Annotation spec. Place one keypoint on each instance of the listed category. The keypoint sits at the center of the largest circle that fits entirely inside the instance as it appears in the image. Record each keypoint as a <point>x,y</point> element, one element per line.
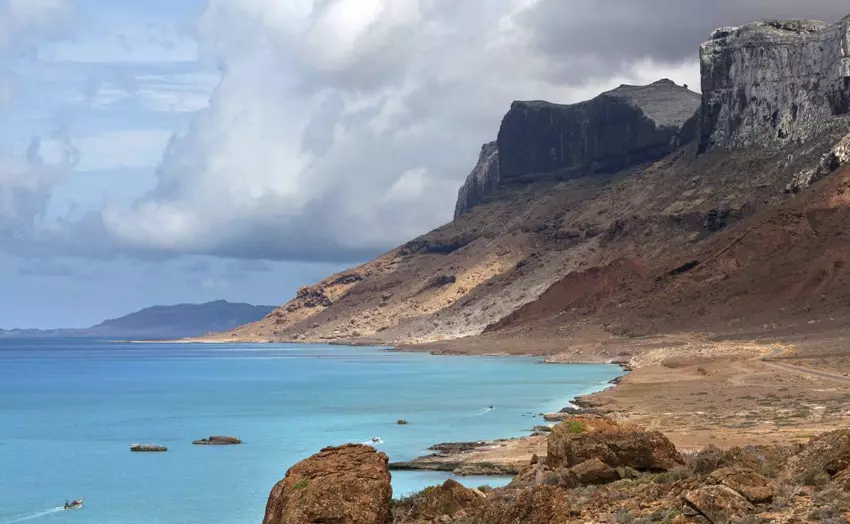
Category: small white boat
<point>76,504</point>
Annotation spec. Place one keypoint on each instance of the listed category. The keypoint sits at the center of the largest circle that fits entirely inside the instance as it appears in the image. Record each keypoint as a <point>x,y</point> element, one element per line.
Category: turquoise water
<point>69,409</point>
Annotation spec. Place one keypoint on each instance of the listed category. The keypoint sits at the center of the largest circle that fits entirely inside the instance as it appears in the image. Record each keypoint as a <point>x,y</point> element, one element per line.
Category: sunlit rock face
<point>772,82</point>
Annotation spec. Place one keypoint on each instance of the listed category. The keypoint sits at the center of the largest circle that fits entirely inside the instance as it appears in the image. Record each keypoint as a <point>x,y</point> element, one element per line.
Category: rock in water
<point>217,440</point>
<point>344,485</point>
<point>401,422</point>
<point>147,448</point>
<point>628,126</point>
<point>481,181</point>
<point>769,82</point>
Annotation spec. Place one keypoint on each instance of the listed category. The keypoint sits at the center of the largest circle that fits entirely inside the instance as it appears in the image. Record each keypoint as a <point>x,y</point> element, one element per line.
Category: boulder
<point>401,422</point>
<point>147,448</point>
<point>719,504</point>
<point>754,487</point>
<point>594,471</point>
<point>584,438</point>
<point>771,82</point>
<point>344,485</point>
<point>448,499</point>
<point>827,454</point>
<point>217,440</point>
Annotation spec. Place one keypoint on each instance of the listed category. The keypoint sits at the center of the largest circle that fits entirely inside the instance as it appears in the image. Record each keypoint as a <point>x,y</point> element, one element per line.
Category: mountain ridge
<point>174,321</point>
<point>615,246</point>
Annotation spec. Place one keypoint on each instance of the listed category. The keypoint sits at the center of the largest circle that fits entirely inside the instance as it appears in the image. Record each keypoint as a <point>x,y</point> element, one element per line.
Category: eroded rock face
<point>774,81</point>
<point>754,487</point>
<point>618,129</point>
<point>481,182</point>
<point>343,485</point>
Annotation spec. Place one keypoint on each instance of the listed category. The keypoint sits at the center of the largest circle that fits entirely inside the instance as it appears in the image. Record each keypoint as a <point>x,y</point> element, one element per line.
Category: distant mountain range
<point>160,322</point>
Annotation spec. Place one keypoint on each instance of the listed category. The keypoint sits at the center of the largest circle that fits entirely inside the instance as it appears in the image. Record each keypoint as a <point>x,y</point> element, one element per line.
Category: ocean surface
<point>69,409</point>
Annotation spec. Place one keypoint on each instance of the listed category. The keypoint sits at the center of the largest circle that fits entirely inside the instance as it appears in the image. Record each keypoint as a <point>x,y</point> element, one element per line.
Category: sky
<point>163,152</point>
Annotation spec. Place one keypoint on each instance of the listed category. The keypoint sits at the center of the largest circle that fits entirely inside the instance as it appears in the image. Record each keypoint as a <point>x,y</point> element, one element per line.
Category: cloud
<point>341,128</point>
<point>602,37</point>
<point>121,149</point>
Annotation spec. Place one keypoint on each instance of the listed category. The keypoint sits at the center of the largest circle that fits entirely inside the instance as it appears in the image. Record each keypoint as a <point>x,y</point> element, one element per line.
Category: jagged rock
<point>448,499</point>
<point>401,422</point>
<point>827,454</point>
<point>147,448</point>
<point>575,441</point>
<point>832,161</point>
<point>217,440</point>
<point>481,182</point>
<point>624,127</point>
<point>594,471</point>
<point>719,504</point>
<point>769,82</point>
<point>344,485</point>
<point>754,487</point>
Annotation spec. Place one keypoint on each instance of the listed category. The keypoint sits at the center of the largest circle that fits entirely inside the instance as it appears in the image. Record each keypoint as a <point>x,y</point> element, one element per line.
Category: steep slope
<point>637,220</point>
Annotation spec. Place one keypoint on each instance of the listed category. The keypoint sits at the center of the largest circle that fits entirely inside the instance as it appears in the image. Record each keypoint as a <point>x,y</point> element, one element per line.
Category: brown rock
<point>719,504</point>
<point>754,487</point>
<point>842,479</point>
<point>828,453</point>
<point>594,471</point>
<point>217,440</point>
<point>448,499</point>
<point>540,505</point>
<point>584,438</point>
<point>343,485</point>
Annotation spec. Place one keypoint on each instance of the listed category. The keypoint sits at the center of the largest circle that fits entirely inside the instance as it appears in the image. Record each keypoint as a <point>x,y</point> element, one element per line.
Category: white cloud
<point>121,149</point>
<point>345,126</point>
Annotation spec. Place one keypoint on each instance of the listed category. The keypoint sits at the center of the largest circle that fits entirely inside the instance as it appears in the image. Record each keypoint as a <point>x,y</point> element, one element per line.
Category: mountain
<point>160,322</point>
<point>647,210</point>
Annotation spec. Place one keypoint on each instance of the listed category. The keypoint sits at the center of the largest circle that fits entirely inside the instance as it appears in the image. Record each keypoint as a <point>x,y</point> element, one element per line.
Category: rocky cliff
<point>770,82</point>
<point>618,129</point>
<point>601,218</point>
<point>481,182</point>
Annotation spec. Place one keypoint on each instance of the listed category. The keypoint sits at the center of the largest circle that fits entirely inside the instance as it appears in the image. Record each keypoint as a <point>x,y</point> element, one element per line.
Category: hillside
<point>159,322</point>
<point>648,210</point>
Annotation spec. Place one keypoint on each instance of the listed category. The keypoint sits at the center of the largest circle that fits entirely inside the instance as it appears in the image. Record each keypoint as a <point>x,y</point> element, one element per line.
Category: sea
<point>70,409</point>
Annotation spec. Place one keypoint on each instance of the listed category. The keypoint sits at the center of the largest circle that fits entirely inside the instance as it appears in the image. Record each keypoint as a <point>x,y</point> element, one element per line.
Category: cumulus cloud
<point>341,127</point>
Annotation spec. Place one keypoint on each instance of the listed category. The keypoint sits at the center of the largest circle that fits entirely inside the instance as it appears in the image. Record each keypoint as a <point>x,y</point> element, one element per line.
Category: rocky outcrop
<point>449,499</point>
<point>582,439</point>
<point>774,81</point>
<point>824,455</point>
<point>751,485</point>
<point>618,129</point>
<point>481,182</point>
<point>147,448</point>
<point>217,440</point>
<point>343,485</point>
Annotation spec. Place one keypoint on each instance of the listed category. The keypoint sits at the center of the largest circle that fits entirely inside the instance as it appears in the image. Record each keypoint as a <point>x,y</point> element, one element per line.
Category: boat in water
<point>76,504</point>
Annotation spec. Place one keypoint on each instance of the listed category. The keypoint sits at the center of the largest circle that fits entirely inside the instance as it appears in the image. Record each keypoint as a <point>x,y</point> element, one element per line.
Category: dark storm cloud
<point>602,37</point>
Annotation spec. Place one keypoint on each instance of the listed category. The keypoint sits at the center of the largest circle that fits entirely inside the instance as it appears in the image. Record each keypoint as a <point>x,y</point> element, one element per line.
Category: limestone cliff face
<point>618,129</point>
<point>771,82</point>
<point>481,181</point>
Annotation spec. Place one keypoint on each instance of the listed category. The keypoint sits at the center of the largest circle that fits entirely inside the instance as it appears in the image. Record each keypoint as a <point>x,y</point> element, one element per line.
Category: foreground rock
<point>448,499</point>
<point>147,448</point>
<point>217,440</point>
<point>342,485</point>
<point>582,439</point>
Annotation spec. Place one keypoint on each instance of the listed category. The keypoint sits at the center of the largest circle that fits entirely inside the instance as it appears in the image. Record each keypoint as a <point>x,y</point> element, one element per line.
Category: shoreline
<point>698,389</point>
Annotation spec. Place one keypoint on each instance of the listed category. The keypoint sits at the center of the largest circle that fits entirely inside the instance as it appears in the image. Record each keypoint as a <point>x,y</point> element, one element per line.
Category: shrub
<point>575,426</point>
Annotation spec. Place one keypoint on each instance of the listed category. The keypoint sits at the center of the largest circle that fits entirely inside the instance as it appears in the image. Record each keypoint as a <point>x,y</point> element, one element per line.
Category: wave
<point>34,516</point>
<point>483,411</point>
<point>373,442</point>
